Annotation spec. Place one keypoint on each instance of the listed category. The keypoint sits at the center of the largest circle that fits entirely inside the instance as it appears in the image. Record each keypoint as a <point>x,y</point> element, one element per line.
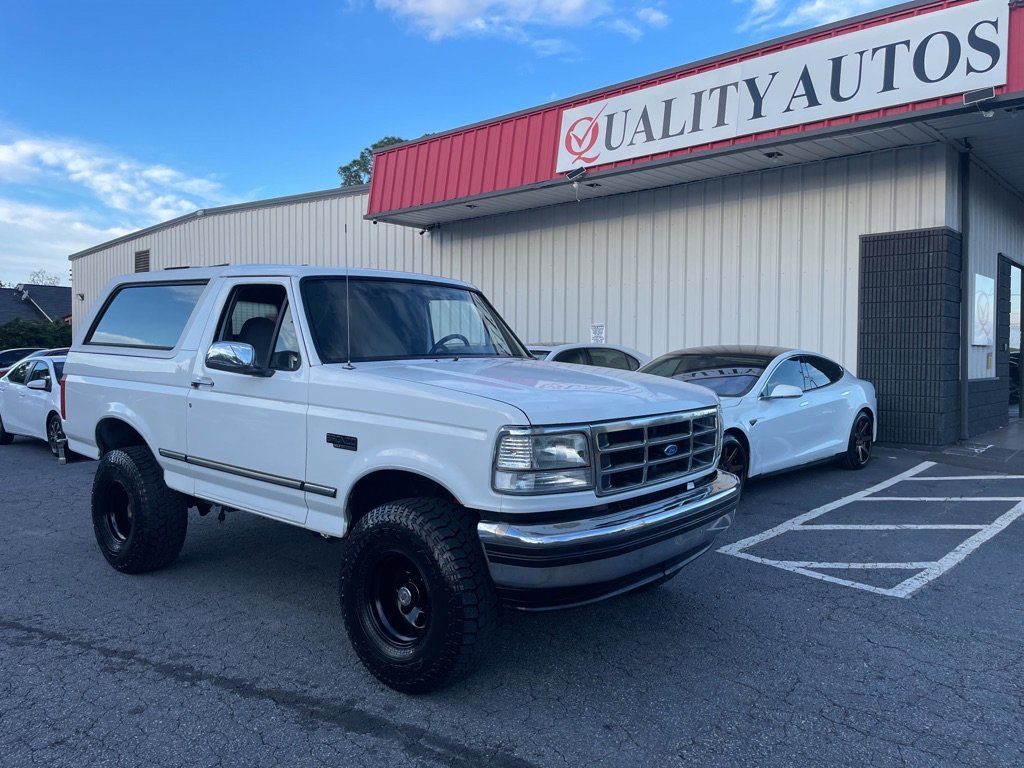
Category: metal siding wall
<point>997,226</point>
<point>768,257</point>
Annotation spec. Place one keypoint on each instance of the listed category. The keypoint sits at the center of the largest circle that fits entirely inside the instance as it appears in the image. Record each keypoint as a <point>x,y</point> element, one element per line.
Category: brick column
<point>909,333</point>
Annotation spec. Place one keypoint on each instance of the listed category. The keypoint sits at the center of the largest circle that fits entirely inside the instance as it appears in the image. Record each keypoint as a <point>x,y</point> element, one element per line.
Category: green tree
<point>34,333</point>
<point>358,171</point>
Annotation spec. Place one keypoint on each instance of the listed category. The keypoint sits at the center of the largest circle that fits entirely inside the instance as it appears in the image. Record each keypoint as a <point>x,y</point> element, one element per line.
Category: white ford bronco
<point>400,412</point>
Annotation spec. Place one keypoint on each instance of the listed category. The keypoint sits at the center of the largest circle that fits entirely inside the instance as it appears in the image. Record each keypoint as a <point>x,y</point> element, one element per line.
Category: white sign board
<point>984,311</point>
<point>597,334</point>
<point>935,54</point>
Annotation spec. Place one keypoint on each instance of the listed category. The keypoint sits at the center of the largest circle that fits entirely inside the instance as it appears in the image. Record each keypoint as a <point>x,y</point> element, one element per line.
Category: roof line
<point>792,37</point>
<point>349,191</point>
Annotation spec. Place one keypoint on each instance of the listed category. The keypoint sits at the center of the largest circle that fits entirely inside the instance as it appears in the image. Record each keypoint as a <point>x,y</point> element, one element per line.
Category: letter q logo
<point>582,136</point>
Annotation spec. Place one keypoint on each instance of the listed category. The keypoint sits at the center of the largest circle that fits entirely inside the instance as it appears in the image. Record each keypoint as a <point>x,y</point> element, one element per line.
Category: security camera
<point>576,175</point>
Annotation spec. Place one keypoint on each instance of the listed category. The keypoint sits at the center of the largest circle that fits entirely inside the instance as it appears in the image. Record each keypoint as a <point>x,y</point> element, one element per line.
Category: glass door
<point>1016,403</point>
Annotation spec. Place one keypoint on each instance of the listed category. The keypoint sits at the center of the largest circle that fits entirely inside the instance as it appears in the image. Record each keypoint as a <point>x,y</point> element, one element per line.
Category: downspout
<point>965,288</point>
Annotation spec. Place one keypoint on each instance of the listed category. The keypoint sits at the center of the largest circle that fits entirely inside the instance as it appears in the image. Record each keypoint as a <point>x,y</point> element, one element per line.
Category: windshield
<point>726,375</point>
<point>403,320</point>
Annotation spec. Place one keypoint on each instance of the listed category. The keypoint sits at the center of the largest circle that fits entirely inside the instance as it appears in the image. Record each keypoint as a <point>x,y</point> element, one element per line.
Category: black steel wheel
<point>862,436</point>
<point>139,522</point>
<point>54,433</point>
<point>734,458</point>
<point>398,604</point>
<point>416,595</point>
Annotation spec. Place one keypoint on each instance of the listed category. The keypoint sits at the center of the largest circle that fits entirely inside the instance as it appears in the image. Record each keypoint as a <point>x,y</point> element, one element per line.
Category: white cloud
<point>767,15</point>
<point>58,196</point>
<point>38,237</point>
<point>652,17</point>
<point>154,191</point>
<point>528,22</point>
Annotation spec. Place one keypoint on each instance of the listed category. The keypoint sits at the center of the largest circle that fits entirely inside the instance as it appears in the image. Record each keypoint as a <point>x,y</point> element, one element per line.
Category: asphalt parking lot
<point>813,639</point>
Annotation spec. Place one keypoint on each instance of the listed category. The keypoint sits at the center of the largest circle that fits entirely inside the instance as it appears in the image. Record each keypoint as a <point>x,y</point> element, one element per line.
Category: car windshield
<point>540,354</point>
<point>403,320</point>
<point>727,375</point>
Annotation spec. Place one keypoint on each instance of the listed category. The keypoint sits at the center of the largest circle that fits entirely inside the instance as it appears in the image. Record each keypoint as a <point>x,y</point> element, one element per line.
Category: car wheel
<point>858,451</point>
<point>416,595</point>
<point>54,433</point>
<point>6,438</point>
<point>734,458</point>
<point>139,522</point>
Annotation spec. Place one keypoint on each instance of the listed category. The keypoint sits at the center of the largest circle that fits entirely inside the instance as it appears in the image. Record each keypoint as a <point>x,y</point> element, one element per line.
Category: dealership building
<point>856,190</point>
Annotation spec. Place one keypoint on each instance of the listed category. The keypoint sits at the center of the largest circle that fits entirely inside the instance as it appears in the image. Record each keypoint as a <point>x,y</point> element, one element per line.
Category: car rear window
<point>147,316</point>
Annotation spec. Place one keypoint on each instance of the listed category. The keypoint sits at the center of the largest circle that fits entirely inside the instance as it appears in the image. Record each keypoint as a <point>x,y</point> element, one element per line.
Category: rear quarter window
<point>146,316</point>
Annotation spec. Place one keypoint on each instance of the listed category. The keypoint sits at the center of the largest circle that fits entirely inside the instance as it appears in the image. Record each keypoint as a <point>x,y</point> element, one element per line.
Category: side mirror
<point>234,357</point>
<point>39,384</point>
<point>784,392</point>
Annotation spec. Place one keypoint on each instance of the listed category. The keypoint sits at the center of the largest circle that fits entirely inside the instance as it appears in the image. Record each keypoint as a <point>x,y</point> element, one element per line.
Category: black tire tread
<point>161,521</point>
<point>448,533</point>
<point>6,438</point>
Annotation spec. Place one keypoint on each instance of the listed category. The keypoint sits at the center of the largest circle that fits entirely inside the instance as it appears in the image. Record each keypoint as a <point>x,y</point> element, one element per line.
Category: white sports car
<point>781,408</point>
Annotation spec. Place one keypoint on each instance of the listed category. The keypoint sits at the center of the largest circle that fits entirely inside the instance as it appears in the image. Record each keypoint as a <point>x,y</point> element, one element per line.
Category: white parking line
<point>929,570</point>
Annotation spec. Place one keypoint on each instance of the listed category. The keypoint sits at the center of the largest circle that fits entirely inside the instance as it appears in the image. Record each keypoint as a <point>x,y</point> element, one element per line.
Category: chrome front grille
<point>641,452</point>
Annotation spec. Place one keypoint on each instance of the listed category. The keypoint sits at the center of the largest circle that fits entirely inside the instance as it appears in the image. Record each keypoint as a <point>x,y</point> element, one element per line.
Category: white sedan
<point>30,401</point>
<point>603,355</point>
<point>781,408</point>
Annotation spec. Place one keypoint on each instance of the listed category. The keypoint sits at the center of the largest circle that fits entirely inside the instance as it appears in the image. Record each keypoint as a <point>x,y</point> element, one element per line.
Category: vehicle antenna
<point>348,306</point>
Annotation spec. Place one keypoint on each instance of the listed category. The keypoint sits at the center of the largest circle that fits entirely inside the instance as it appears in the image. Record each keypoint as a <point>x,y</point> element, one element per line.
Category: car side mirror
<point>235,357</point>
<point>784,392</point>
<point>39,384</point>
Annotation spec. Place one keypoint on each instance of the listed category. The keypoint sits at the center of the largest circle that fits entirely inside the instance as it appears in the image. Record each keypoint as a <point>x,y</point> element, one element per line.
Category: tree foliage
<point>34,333</point>
<point>358,171</point>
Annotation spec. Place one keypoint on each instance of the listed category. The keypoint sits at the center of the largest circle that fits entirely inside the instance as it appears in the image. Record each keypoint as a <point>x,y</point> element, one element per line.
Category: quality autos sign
<point>935,54</point>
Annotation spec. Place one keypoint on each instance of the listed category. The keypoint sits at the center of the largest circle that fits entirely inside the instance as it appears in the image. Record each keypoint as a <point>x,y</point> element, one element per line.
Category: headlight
<point>542,462</point>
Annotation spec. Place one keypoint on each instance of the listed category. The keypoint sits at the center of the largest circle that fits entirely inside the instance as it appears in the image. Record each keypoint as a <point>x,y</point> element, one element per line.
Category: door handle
<point>201,381</point>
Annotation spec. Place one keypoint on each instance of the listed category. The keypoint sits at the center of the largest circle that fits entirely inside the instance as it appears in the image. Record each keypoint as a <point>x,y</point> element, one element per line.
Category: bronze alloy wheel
<point>862,439</point>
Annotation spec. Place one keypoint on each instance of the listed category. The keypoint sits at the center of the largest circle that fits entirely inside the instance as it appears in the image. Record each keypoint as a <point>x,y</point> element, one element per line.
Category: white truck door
<point>246,434</point>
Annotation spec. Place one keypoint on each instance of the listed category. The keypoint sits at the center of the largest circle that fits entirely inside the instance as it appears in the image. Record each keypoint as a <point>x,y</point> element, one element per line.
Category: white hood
<point>553,393</point>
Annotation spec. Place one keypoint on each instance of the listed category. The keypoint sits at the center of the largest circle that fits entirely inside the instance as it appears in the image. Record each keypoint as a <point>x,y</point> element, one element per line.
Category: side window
<point>634,364</point>
<point>259,315</point>
<point>577,356</point>
<point>821,372</point>
<point>41,372</point>
<point>609,358</point>
<point>19,373</point>
<point>789,372</point>
<point>146,316</point>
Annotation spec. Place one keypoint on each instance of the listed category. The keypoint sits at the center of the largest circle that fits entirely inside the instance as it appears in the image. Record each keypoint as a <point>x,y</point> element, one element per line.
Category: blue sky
<point>115,115</point>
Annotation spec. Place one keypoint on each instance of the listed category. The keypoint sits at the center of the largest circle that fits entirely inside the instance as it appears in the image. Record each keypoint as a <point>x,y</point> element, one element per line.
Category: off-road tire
<point>6,438</point>
<point>157,520</point>
<point>855,456</point>
<point>439,539</point>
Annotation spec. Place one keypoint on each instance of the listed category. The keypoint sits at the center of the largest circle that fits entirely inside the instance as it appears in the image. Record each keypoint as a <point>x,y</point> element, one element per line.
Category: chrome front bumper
<point>557,564</point>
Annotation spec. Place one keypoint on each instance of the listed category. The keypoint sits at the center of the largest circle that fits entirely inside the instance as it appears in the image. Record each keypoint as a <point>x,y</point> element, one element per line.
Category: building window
<point>142,261</point>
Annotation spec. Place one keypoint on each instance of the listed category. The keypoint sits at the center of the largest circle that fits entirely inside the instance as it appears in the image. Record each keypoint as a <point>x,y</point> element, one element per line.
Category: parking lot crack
<point>417,743</point>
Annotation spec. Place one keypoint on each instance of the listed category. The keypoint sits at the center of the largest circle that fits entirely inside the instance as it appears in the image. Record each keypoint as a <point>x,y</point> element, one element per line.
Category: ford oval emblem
<point>671,450</point>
